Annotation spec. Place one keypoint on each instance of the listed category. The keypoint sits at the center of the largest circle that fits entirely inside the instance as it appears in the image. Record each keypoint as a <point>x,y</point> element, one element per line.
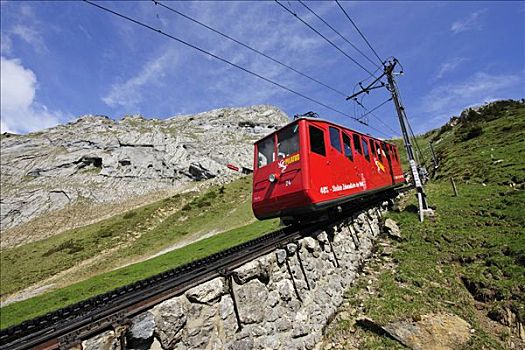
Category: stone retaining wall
<point>276,304</point>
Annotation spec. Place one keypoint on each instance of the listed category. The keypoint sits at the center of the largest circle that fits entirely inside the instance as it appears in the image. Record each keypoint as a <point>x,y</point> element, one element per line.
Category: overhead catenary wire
<point>394,132</point>
<point>142,24</point>
<point>359,31</point>
<point>376,107</point>
<point>324,37</point>
<point>341,35</point>
<point>247,46</point>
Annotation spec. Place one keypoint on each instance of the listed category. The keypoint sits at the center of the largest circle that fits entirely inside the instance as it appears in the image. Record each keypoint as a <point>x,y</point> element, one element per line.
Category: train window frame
<point>366,148</point>
<point>290,143</point>
<point>357,143</point>
<point>320,146</point>
<point>335,138</point>
<point>349,155</point>
<point>259,153</point>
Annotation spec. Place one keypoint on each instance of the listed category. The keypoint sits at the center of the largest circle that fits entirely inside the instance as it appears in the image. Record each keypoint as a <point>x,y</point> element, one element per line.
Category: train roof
<point>325,121</point>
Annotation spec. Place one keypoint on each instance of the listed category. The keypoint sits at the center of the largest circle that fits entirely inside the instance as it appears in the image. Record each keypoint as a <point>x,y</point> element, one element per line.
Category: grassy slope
<point>18,312</point>
<point>128,237</point>
<point>470,260</point>
<point>125,239</point>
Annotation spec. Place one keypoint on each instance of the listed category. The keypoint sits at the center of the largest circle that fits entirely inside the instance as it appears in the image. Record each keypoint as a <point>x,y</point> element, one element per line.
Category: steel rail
<point>69,325</point>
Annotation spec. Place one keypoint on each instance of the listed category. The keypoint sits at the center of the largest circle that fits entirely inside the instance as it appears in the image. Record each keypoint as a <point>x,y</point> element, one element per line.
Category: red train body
<point>312,165</point>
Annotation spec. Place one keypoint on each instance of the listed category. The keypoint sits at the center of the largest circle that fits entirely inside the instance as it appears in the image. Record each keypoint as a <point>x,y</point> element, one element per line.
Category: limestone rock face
<point>100,160</point>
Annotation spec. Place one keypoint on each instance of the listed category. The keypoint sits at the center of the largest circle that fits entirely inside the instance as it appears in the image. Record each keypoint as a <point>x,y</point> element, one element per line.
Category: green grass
<point>469,259</point>
<point>218,209</point>
<point>477,237</point>
<point>18,312</point>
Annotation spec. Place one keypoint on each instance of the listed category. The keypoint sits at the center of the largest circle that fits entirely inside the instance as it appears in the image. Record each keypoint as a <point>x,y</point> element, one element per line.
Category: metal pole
<point>434,159</point>
<point>408,145</point>
<point>454,186</point>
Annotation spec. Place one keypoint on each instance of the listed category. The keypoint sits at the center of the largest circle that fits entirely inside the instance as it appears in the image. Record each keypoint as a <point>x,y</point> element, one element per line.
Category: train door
<point>338,171</point>
<point>388,157</point>
<point>318,163</point>
<point>362,162</point>
<point>353,178</point>
<point>380,164</point>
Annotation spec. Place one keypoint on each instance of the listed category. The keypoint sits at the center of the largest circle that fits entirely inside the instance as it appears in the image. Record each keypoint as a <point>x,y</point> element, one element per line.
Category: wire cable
<point>376,117</point>
<point>322,36</point>
<point>376,107</point>
<point>142,24</point>
<point>362,35</point>
<point>344,38</point>
<point>247,46</point>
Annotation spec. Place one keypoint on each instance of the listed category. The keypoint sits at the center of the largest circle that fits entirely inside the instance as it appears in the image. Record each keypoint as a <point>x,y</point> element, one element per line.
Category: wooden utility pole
<point>421,197</point>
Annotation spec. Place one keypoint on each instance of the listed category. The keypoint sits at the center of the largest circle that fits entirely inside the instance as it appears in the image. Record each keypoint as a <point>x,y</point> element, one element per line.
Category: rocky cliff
<point>97,160</point>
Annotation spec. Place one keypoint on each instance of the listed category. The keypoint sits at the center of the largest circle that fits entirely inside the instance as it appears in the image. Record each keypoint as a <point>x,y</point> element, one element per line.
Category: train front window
<point>335,141</point>
<point>365,149</point>
<point>288,141</point>
<point>266,152</point>
<point>316,140</point>
<point>347,147</point>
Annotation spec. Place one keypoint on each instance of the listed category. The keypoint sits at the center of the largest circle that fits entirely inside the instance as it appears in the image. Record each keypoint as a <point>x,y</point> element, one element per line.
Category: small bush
<point>187,207</point>
<point>470,132</point>
<point>69,247</point>
<point>129,214</point>
<point>203,203</point>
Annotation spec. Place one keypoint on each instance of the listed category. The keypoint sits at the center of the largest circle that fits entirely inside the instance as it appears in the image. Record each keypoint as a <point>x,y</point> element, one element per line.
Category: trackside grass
<point>470,259</point>
<point>24,310</point>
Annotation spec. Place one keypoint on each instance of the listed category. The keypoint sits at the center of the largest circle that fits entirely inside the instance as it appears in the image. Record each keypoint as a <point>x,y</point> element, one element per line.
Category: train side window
<point>372,148</point>
<point>385,149</point>
<point>317,140</point>
<point>348,147</point>
<point>357,143</point>
<point>335,140</point>
<point>379,151</point>
<point>365,149</point>
<point>288,141</point>
<point>266,151</point>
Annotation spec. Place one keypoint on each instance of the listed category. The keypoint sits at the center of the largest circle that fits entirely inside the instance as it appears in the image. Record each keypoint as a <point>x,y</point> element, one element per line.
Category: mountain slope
<point>96,162</point>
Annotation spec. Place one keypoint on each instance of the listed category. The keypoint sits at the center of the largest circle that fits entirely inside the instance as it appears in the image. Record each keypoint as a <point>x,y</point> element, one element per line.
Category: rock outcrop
<point>99,160</point>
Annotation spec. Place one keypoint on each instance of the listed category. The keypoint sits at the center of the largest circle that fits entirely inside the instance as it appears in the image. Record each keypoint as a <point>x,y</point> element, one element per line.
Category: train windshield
<point>288,141</point>
<point>266,151</point>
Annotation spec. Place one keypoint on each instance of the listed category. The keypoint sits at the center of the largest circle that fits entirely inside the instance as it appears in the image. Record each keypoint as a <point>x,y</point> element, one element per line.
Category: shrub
<point>69,246</point>
<point>129,214</point>
<point>470,132</point>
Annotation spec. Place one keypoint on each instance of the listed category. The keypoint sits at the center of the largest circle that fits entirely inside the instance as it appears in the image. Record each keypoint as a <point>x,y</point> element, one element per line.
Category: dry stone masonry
<point>99,160</point>
<point>281,300</point>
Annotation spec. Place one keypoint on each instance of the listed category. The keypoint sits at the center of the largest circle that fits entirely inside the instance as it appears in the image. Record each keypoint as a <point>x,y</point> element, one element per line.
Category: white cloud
<point>6,44</point>
<point>472,22</point>
<point>447,100</point>
<point>128,94</point>
<point>20,113</point>
<point>473,90</point>
<point>449,66</point>
<point>30,35</point>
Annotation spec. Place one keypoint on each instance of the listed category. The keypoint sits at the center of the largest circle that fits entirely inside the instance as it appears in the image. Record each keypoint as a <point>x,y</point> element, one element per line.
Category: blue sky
<point>61,60</point>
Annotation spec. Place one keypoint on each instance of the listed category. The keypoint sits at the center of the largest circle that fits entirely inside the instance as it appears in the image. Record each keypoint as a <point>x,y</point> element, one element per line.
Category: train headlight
<point>272,178</point>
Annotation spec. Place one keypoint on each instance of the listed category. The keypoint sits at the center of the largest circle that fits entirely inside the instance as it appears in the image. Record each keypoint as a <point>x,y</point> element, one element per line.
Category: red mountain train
<point>312,165</point>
